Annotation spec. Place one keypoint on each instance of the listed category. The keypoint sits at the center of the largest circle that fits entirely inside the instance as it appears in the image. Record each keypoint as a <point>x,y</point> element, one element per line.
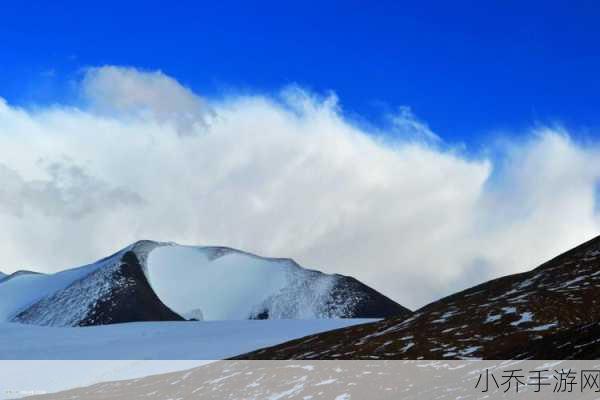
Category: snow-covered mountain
<point>152,281</point>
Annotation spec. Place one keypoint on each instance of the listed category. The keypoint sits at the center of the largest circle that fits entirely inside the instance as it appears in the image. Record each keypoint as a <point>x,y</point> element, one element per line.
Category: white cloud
<point>152,94</point>
<point>68,193</point>
<point>405,123</point>
<point>286,176</point>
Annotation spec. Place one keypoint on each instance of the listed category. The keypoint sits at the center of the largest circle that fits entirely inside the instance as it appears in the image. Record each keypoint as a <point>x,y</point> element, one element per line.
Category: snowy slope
<point>20,290</point>
<point>152,281</point>
<point>183,340</point>
<point>343,380</point>
<point>29,377</point>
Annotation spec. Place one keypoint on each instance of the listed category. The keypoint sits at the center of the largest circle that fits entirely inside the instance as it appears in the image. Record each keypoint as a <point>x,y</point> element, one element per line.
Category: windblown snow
<point>215,283</point>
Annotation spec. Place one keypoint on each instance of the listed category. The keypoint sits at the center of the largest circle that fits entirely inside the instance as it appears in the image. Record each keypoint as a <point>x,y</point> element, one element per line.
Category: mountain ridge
<point>156,281</point>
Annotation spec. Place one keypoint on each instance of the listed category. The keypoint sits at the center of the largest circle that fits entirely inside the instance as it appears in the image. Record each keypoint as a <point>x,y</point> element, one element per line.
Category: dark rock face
<point>369,302</point>
<point>548,313</point>
<point>118,292</point>
<point>347,298</point>
<point>132,301</point>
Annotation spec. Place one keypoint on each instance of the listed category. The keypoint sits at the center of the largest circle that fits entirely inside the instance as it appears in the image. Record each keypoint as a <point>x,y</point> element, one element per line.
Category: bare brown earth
<point>550,312</point>
<point>345,380</point>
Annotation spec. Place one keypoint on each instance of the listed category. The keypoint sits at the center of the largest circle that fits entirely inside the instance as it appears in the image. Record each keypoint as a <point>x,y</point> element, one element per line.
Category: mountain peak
<point>150,280</point>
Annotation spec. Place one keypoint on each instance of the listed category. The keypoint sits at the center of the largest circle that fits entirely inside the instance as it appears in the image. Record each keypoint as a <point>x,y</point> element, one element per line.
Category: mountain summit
<point>154,281</point>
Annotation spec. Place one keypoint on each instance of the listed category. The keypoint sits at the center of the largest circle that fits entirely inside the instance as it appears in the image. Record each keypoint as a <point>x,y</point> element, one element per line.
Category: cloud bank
<point>284,175</point>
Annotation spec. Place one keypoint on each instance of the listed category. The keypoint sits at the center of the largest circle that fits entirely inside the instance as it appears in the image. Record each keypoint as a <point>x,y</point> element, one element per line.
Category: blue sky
<point>180,155</point>
<point>465,68</point>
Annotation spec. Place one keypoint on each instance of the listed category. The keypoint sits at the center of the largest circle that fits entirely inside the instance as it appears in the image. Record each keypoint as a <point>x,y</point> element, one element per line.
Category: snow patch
<point>574,280</point>
<point>544,327</point>
<point>492,318</point>
<point>226,284</point>
<point>525,317</point>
